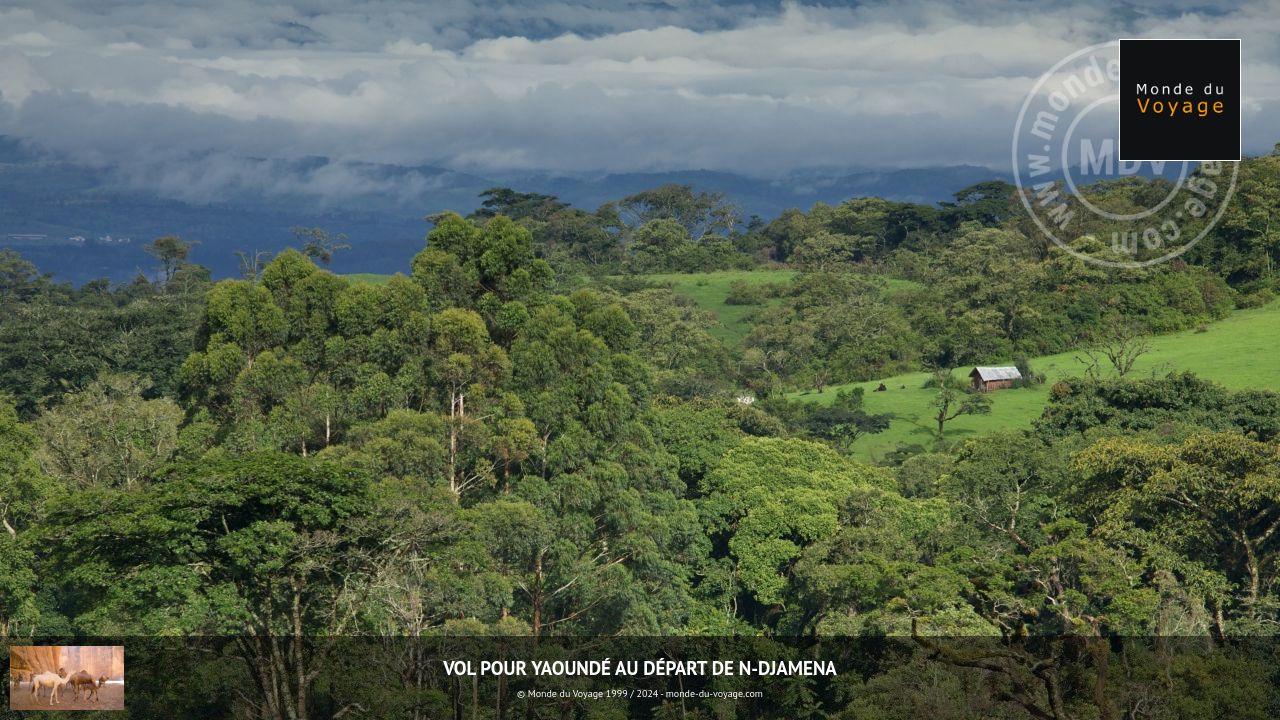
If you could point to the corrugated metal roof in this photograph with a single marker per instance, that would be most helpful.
(997, 373)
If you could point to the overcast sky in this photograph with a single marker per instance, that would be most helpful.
(753, 87)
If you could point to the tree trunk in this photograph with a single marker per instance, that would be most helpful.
(457, 412)
(536, 595)
(300, 669)
(1251, 567)
(1100, 648)
(457, 698)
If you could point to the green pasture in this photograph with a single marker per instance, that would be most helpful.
(709, 290)
(369, 278)
(1242, 351)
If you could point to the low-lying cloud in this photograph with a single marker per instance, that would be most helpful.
(754, 88)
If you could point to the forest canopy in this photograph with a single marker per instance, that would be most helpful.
(527, 434)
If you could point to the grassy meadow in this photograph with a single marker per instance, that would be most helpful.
(1242, 351)
(369, 278)
(709, 290)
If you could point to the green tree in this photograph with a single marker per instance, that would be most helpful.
(51, 344)
(1210, 502)
(467, 266)
(246, 314)
(1174, 401)
(109, 435)
(952, 401)
(19, 279)
(769, 498)
(880, 570)
(517, 205)
(466, 363)
(1245, 244)
(579, 235)
(844, 421)
(171, 251)
(825, 251)
(18, 587)
(1038, 576)
(697, 212)
(23, 488)
(673, 335)
(23, 493)
(987, 202)
(318, 244)
(406, 444)
(267, 547)
(655, 244)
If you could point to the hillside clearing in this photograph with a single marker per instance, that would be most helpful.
(369, 278)
(1238, 352)
(709, 290)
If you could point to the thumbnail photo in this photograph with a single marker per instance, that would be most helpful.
(70, 677)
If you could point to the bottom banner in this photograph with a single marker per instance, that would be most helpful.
(459, 678)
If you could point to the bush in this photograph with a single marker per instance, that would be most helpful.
(1030, 378)
(743, 293)
(953, 381)
(1255, 299)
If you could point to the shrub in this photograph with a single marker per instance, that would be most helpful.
(1255, 299)
(1030, 378)
(743, 293)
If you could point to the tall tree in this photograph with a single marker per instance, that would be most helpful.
(23, 488)
(769, 498)
(268, 548)
(109, 435)
(467, 365)
(318, 244)
(517, 205)
(171, 251)
(1212, 501)
(954, 400)
(698, 212)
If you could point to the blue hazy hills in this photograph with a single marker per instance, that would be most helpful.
(82, 221)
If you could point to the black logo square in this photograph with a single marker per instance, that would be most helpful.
(1179, 100)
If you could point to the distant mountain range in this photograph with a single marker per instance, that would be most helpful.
(82, 221)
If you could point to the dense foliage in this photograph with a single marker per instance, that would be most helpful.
(494, 445)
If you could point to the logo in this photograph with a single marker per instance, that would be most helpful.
(1087, 201)
(1180, 99)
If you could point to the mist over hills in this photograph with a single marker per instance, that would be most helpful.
(81, 221)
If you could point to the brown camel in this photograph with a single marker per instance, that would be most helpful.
(84, 681)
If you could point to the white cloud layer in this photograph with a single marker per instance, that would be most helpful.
(759, 89)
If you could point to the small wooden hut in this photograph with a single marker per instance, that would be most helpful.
(986, 379)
